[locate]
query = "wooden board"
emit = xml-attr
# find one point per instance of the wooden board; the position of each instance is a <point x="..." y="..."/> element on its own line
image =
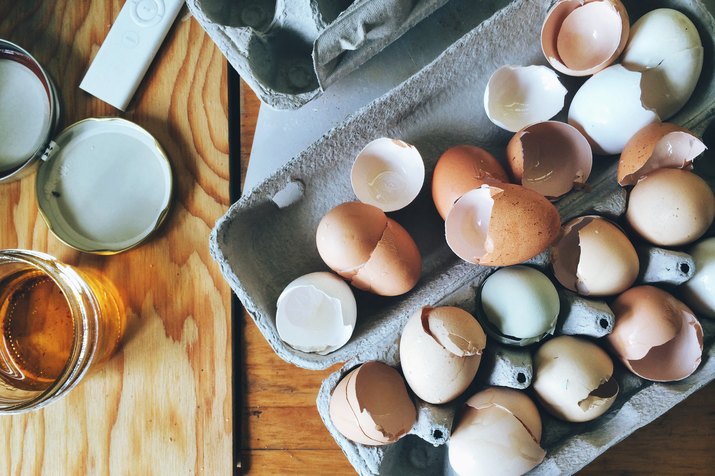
<point x="163" y="404"/>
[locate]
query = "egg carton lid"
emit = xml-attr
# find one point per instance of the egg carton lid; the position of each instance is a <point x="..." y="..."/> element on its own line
<point x="289" y="51"/>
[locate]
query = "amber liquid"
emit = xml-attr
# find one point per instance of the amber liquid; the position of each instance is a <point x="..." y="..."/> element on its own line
<point x="37" y="331"/>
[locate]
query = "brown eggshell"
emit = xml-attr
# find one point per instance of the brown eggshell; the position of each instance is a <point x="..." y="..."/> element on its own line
<point x="656" y="146"/>
<point x="514" y="225"/>
<point x="655" y="335"/>
<point x="550" y="158"/>
<point x="582" y="37"/>
<point x="461" y="169"/>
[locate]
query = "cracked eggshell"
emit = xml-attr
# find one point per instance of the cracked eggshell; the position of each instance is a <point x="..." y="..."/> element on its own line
<point x="608" y="111"/>
<point x="316" y="313"/>
<point x="671" y="207"/>
<point x="373" y="252"/>
<point x="371" y="406"/>
<point x="440" y="352"/>
<point x="582" y="37"/>
<point x="517" y="96"/>
<point x="388" y="173"/>
<point x="499" y="428"/>
<point x="574" y="379"/>
<point x="460" y="169"/>
<point x="656" y="146"/>
<point x="699" y="291"/>
<point x="521" y="305"/>
<point x="664" y="44"/>
<point x="550" y="158"/>
<point x="501" y="225"/>
<point x="594" y="257"/>
<point x="656" y="336"/>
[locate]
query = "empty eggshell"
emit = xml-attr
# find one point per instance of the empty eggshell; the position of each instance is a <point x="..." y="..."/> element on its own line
<point x="371" y="406"/>
<point x="699" y="291"/>
<point x="594" y="257"/>
<point x="388" y="174"/>
<point x="656" y="336"/>
<point x="550" y="158"/>
<point x="498" y="433"/>
<point x="316" y="313"/>
<point x="656" y="146"/>
<point x="608" y="111"/>
<point x="460" y="169"/>
<point x="440" y="352"/>
<point x="574" y="379"/>
<point x="581" y="37"/>
<point x="671" y="207"/>
<point x="373" y="252"/>
<point x="664" y="44"/>
<point x="520" y="304"/>
<point x="501" y="225"/>
<point x="517" y="96"/>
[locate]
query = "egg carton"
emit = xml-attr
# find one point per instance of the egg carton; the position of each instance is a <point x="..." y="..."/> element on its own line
<point x="289" y="51"/>
<point x="267" y="238"/>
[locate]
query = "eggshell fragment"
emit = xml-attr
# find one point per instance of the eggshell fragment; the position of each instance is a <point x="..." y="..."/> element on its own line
<point x="581" y="37"/>
<point x="664" y="44"/>
<point x="699" y="291"/>
<point x="501" y="225"/>
<point x="460" y="169"/>
<point x="440" y="352"/>
<point x="671" y="207"/>
<point x="520" y="304"/>
<point x="550" y="158"/>
<point x="594" y="257"/>
<point x="316" y="313"/>
<point x="517" y="96"/>
<point x="371" y="406"/>
<point x="373" y="252"/>
<point x="574" y="379"/>
<point x="608" y="111"/>
<point x="656" y="336"/>
<point x="388" y="174"/>
<point x="656" y="146"/>
<point x="498" y="433"/>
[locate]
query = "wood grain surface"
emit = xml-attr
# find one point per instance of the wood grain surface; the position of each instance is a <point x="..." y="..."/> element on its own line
<point x="163" y="403"/>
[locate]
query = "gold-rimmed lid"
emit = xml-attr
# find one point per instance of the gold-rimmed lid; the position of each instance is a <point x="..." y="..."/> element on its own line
<point x="105" y="185"/>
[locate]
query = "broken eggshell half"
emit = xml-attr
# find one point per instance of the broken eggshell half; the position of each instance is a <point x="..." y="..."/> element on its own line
<point x="373" y="252"/>
<point x="550" y="158"/>
<point x="371" y="406"/>
<point x="460" y="169"/>
<point x="498" y="428"/>
<point x="316" y="313"/>
<point x="582" y="37"/>
<point x="574" y="379"/>
<point x="656" y="336"/>
<point x="440" y="352"/>
<point x="699" y="291"/>
<point x="656" y="146"/>
<point x="501" y="225"/>
<point x="517" y="96"/>
<point x="388" y="173"/>
<point x="594" y="257"/>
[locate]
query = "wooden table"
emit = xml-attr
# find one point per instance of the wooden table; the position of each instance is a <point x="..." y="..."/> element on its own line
<point x="163" y="404"/>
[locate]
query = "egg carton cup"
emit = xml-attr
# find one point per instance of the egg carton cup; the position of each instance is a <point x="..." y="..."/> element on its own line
<point x="267" y="238"/>
<point x="289" y="51"/>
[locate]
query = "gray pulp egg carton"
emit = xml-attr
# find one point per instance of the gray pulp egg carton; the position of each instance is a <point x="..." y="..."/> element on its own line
<point x="267" y="238"/>
<point x="289" y="51"/>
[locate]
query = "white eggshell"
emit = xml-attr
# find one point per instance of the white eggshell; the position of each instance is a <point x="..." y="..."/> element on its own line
<point x="608" y="111"/>
<point x="517" y="96"/>
<point x="665" y="44"/>
<point x="316" y="313"/>
<point x="699" y="291"/>
<point x="388" y="174"/>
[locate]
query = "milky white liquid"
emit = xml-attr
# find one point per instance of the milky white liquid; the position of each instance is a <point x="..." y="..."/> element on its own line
<point x="24" y="114"/>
